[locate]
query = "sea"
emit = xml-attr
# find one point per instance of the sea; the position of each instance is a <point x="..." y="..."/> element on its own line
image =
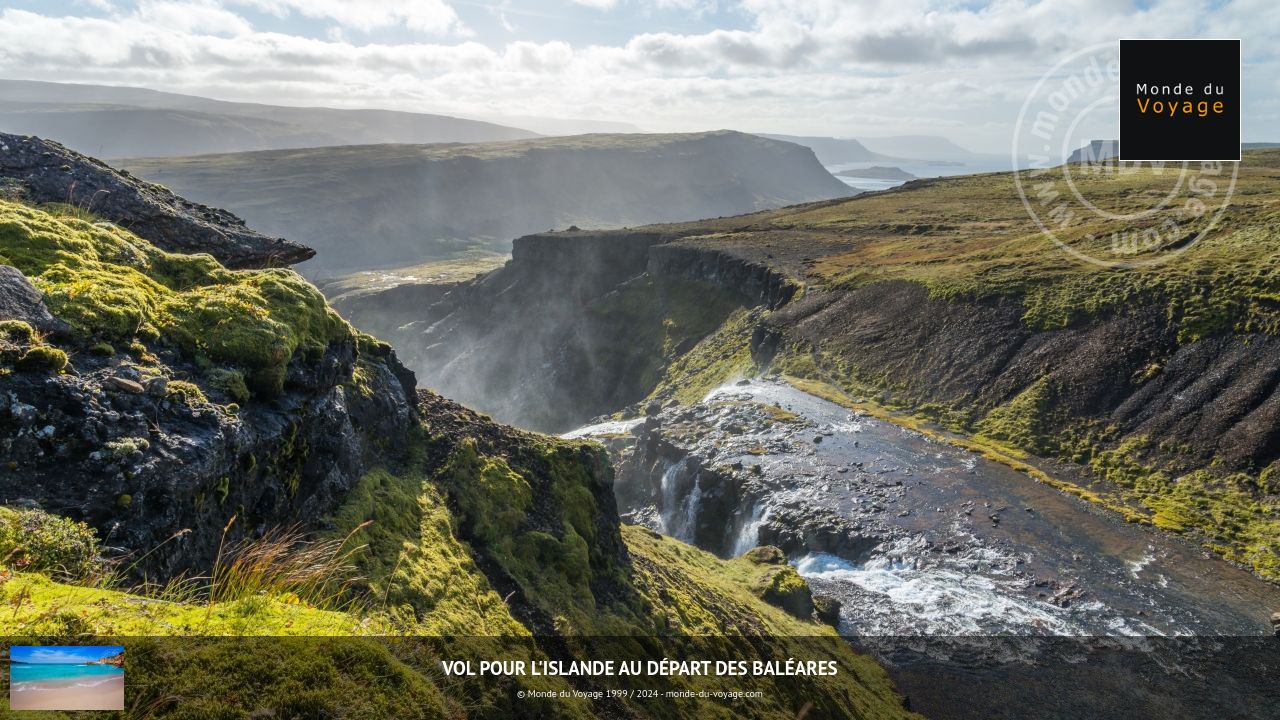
<point x="60" y="675"/>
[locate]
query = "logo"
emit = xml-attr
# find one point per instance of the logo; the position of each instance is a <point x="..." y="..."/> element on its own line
<point x="1096" y="207"/>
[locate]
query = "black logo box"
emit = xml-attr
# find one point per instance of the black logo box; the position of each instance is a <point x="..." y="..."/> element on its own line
<point x="1183" y="65"/>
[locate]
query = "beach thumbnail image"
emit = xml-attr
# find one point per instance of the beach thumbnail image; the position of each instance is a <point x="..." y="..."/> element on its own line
<point x="66" y="677"/>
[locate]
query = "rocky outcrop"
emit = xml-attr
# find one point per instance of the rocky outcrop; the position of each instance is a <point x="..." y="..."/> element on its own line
<point x="20" y="300"/>
<point x="156" y="397"/>
<point x="141" y="458"/>
<point x="42" y="171"/>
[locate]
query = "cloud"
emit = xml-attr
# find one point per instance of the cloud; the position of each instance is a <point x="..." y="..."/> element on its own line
<point x="597" y="4"/>
<point x="426" y="16"/>
<point x="802" y="66"/>
<point x="192" y="16"/>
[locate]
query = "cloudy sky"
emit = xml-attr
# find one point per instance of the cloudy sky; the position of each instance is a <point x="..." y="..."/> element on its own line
<point x="825" y="67"/>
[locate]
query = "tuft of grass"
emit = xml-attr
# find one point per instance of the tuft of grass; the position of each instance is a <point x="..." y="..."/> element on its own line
<point x="284" y="563"/>
<point x="186" y="392"/>
<point x="18" y="331"/>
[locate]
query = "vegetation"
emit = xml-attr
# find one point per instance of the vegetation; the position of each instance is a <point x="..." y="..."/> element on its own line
<point x="112" y="286"/>
<point x="39" y="542"/>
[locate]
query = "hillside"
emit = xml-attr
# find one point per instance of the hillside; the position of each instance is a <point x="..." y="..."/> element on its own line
<point x="108" y="121"/>
<point x="203" y="452"/>
<point x="1150" y="391"/>
<point x="832" y="151"/>
<point x="365" y="207"/>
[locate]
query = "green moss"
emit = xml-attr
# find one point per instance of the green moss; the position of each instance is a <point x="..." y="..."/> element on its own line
<point x="783" y="587"/>
<point x="1023" y="420"/>
<point x="370" y="345"/>
<point x="185" y="392"/>
<point x="231" y="382"/>
<point x="128" y="447"/>
<point x="37" y="541"/>
<point x="42" y="358"/>
<point x="32" y="600"/>
<point x="18" y="331"/>
<point x="102" y="349"/>
<point x="111" y="285"/>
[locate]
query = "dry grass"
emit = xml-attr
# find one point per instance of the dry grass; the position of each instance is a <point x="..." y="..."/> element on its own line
<point x="284" y="563"/>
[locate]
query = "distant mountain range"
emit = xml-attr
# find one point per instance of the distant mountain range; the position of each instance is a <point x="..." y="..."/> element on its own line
<point x="106" y="121"/>
<point x="840" y="151"/>
<point x="380" y="206"/>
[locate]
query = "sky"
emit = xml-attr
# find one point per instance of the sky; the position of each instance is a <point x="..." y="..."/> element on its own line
<point x="63" y="654"/>
<point x="840" y="68"/>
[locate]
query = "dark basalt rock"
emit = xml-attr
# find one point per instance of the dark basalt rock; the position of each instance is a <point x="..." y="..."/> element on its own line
<point x="75" y="445"/>
<point x="20" y="300"/>
<point x="44" y="171"/>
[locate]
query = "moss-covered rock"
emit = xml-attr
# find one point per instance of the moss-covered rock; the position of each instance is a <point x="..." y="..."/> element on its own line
<point x="111" y="286"/>
<point x="42" y="358"/>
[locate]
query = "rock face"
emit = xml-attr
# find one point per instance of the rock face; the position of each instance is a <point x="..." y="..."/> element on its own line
<point x="140" y="466"/>
<point x="19" y="300"/>
<point x="42" y="171"/>
<point x="558" y="335"/>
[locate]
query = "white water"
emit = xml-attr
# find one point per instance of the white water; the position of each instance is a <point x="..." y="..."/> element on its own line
<point x="612" y="427"/>
<point x="670" y="501"/>
<point x="749" y="535"/>
<point x="936" y="601"/>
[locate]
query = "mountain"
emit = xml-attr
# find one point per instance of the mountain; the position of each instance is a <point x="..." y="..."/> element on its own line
<point x="920" y="147"/>
<point x="1095" y="151"/>
<point x="376" y="206"/>
<point x="108" y="121"/>
<point x="831" y="151"/>
<point x="564" y="126"/>
<point x="259" y="467"/>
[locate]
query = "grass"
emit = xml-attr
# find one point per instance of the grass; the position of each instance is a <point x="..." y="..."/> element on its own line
<point x="969" y="238"/>
<point x="283" y="562"/>
<point x="719" y="357"/>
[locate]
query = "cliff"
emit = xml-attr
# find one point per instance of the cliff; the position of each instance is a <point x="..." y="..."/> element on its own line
<point x="1150" y="391"/>
<point x="378" y="206"/>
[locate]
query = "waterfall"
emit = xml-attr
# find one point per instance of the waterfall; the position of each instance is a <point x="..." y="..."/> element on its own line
<point x="689" y="526"/>
<point x="670" y="491"/>
<point x="749" y="534"/>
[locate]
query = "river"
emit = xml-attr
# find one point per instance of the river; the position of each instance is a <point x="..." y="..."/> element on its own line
<point x="931" y="542"/>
